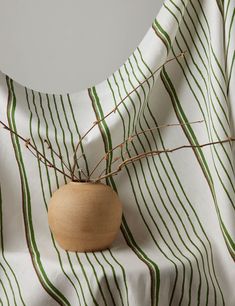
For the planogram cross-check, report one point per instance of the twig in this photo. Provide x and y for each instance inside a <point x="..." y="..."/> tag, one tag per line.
<point x="80" y="157"/>
<point x="39" y="158"/>
<point x="158" y="152"/>
<point x="129" y="139"/>
<point x="49" y="146"/>
<point x="116" y="107"/>
<point x="31" y="147"/>
<point x="113" y="162"/>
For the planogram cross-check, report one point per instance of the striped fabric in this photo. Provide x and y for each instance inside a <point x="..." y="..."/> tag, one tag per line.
<point x="176" y="245"/>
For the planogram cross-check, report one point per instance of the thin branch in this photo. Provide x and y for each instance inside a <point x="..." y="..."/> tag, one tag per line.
<point x="129" y="139"/>
<point x="113" y="162"/>
<point x="33" y="149"/>
<point x="49" y="147"/>
<point x="182" y="54"/>
<point x="158" y="152"/>
<point x="80" y="157"/>
<point x="39" y="158"/>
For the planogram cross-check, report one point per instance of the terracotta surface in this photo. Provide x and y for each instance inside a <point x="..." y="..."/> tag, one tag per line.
<point x="84" y="216"/>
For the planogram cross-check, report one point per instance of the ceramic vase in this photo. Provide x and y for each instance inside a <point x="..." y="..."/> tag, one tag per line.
<point x="84" y="217"/>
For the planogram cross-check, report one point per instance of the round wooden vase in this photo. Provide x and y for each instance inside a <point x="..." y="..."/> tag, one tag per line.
<point x="84" y="217"/>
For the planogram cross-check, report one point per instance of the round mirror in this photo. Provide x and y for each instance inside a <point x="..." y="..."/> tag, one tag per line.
<point x="65" y="46"/>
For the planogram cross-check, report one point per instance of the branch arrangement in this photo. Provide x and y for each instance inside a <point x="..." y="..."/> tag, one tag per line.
<point x="181" y="55"/>
<point x="70" y="172"/>
<point x="43" y="159"/>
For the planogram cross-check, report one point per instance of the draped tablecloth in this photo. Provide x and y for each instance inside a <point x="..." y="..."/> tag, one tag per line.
<point x="176" y="245"/>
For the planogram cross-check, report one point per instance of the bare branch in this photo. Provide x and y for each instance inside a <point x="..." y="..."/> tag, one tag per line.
<point x="40" y="156"/>
<point x="49" y="147"/>
<point x="182" y="54"/>
<point x="113" y="162"/>
<point x="80" y="157"/>
<point x="158" y="152"/>
<point x="129" y="139"/>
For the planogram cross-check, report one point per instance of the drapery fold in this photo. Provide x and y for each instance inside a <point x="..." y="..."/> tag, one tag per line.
<point x="176" y="242"/>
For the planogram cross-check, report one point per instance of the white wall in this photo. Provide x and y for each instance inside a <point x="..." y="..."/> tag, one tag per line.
<point x="66" y="46"/>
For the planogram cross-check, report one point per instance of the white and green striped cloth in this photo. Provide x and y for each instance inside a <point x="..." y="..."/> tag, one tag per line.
<point x="176" y="245"/>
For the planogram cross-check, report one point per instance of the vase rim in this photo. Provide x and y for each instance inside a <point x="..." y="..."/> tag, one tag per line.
<point x="84" y="182"/>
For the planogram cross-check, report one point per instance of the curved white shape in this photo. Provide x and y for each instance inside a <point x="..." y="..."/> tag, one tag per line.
<point x="56" y="46"/>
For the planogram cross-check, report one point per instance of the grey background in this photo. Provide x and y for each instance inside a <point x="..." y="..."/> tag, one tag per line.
<point x="66" y="46"/>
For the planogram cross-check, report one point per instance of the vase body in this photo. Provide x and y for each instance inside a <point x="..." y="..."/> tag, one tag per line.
<point x="84" y="217"/>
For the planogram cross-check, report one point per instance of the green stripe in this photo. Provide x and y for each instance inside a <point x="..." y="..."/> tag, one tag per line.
<point x="170" y="90"/>
<point x="103" y="129"/>
<point x="125" y="136"/>
<point x="47" y="173"/>
<point x="9" y="281"/>
<point x="158" y="174"/>
<point x="200" y="56"/>
<point x="26" y="202"/>
<point x="59" y="149"/>
<point x="226" y="11"/>
<point x="108" y="145"/>
<point x="128" y="235"/>
<point x="229" y="159"/>
<point x="181" y="187"/>
<point x="193" y="140"/>
<point x="200" y="72"/>
<point x="5" y="292"/>
<point x="202" y="13"/>
<point x="96" y="278"/>
<point x="55" y="133"/>
<point x="212" y="122"/>
<point x="3" y="255"/>
<point x="114" y="276"/>
<point x="62" y="130"/>
<point x="105" y="277"/>
<point x="187" y="214"/>
<point x="79" y="136"/>
<point x="87" y="281"/>
<point x="231" y="71"/>
<point x="229" y="38"/>
<point x="124" y="276"/>
<point x="73" y="146"/>
<point x="154" y="272"/>
<point x="220" y="6"/>
<point x="162" y="34"/>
